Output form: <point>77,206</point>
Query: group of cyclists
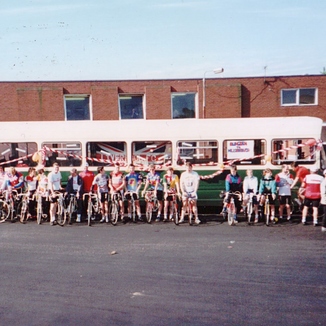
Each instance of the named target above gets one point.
<point>167,189</point>
<point>107,186</point>
<point>312,192</point>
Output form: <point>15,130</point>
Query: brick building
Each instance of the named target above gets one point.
<point>164,99</point>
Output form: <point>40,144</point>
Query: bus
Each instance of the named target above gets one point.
<point>211,145</point>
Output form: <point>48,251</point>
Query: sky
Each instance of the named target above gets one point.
<point>47,40</point>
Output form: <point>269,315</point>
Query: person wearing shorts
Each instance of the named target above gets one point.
<point>284,181</point>
<point>101,180</point>
<point>311,184</point>
<point>54,179</point>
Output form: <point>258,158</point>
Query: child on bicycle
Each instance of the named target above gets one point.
<point>250,189</point>
<point>171,190</point>
<point>267,187</point>
<point>133,182</point>
<point>233,183</point>
<point>189,183</point>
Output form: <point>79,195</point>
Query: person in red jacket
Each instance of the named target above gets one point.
<point>311,184</point>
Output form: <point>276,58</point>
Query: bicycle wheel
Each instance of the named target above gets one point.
<point>114,213</point>
<point>249,211</point>
<point>267,213</point>
<point>22,211</point>
<point>69,212</point>
<point>175,214</point>
<point>230,215</point>
<point>4,211</point>
<point>133,212</point>
<point>61,215</point>
<point>39,211</point>
<point>149,212</point>
<point>89,213</point>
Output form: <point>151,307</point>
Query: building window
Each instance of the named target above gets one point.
<point>183,105</point>
<point>244,151</point>
<point>197,152</point>
<point>299,96</point>
<point>131,107</point>
<point>63,153</point>
<point>106,153</point>
<point>77,107</point>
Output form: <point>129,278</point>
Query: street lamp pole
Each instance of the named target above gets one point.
<point>215,71</point>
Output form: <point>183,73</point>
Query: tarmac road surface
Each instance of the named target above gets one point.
<point>162,274</point>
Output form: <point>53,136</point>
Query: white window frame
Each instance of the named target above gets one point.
<point>297,97</point>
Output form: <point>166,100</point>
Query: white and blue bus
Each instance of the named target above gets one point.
<point>210,144</point>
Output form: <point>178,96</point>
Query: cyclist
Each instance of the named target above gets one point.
<point>300,174</point>
<point>54,178</point>
<point>171,188</point>
<point>31,184</point>
<point>311,184</point>
<point>154,184</point>
<point>323,201</point>
<point>189,183</point>
<point>267,186</point>
<point>13,180</point>
<point>75,187</point>
<point>250,186</point>
<point>42,188</point>
<point>133,181</point>
<point>284,181</point>
<point>2,177</point>
<point>233,183</point>
<point>88,177</point>
<point>117,185</point>
<point>101,180</point>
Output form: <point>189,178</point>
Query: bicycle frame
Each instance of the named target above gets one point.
<point>93,206</point>
<point>231,208</point>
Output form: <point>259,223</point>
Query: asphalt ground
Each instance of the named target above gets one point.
<point>162,274</point>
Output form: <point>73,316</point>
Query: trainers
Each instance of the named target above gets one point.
<point>171,217</point>
<point>235,221</point>
<point>289,218</point>
<point>140,219</point>
<point>157,219</point>
<point>181,220</point>
<point>256,220</point>
<point>304,223</point>
<point>316,224</point>
<point>53,223</point>
<point>102,220</point>
<point>323,229</point>
<point>197,221</point>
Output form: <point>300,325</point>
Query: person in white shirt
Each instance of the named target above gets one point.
<point>189,183</point>
<point>250,189</point>
<point>284,181</point>
<point>54,179</point>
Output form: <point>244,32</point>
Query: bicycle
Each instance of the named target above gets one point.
<point>23,207</point>
<point>12,202</point>
<point>151,205</point>
<point>4,210</point>
<point>250,207</point>
<point>132,196</point>
<point>71,208</point>
<point>114,209</point>
<point>231,207</point>
<point>174,209</point>
<point>267,208</point>
<point>93,207</point>
<point>189,201</point>
<point>60,209</point>
<point>39,207</point>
